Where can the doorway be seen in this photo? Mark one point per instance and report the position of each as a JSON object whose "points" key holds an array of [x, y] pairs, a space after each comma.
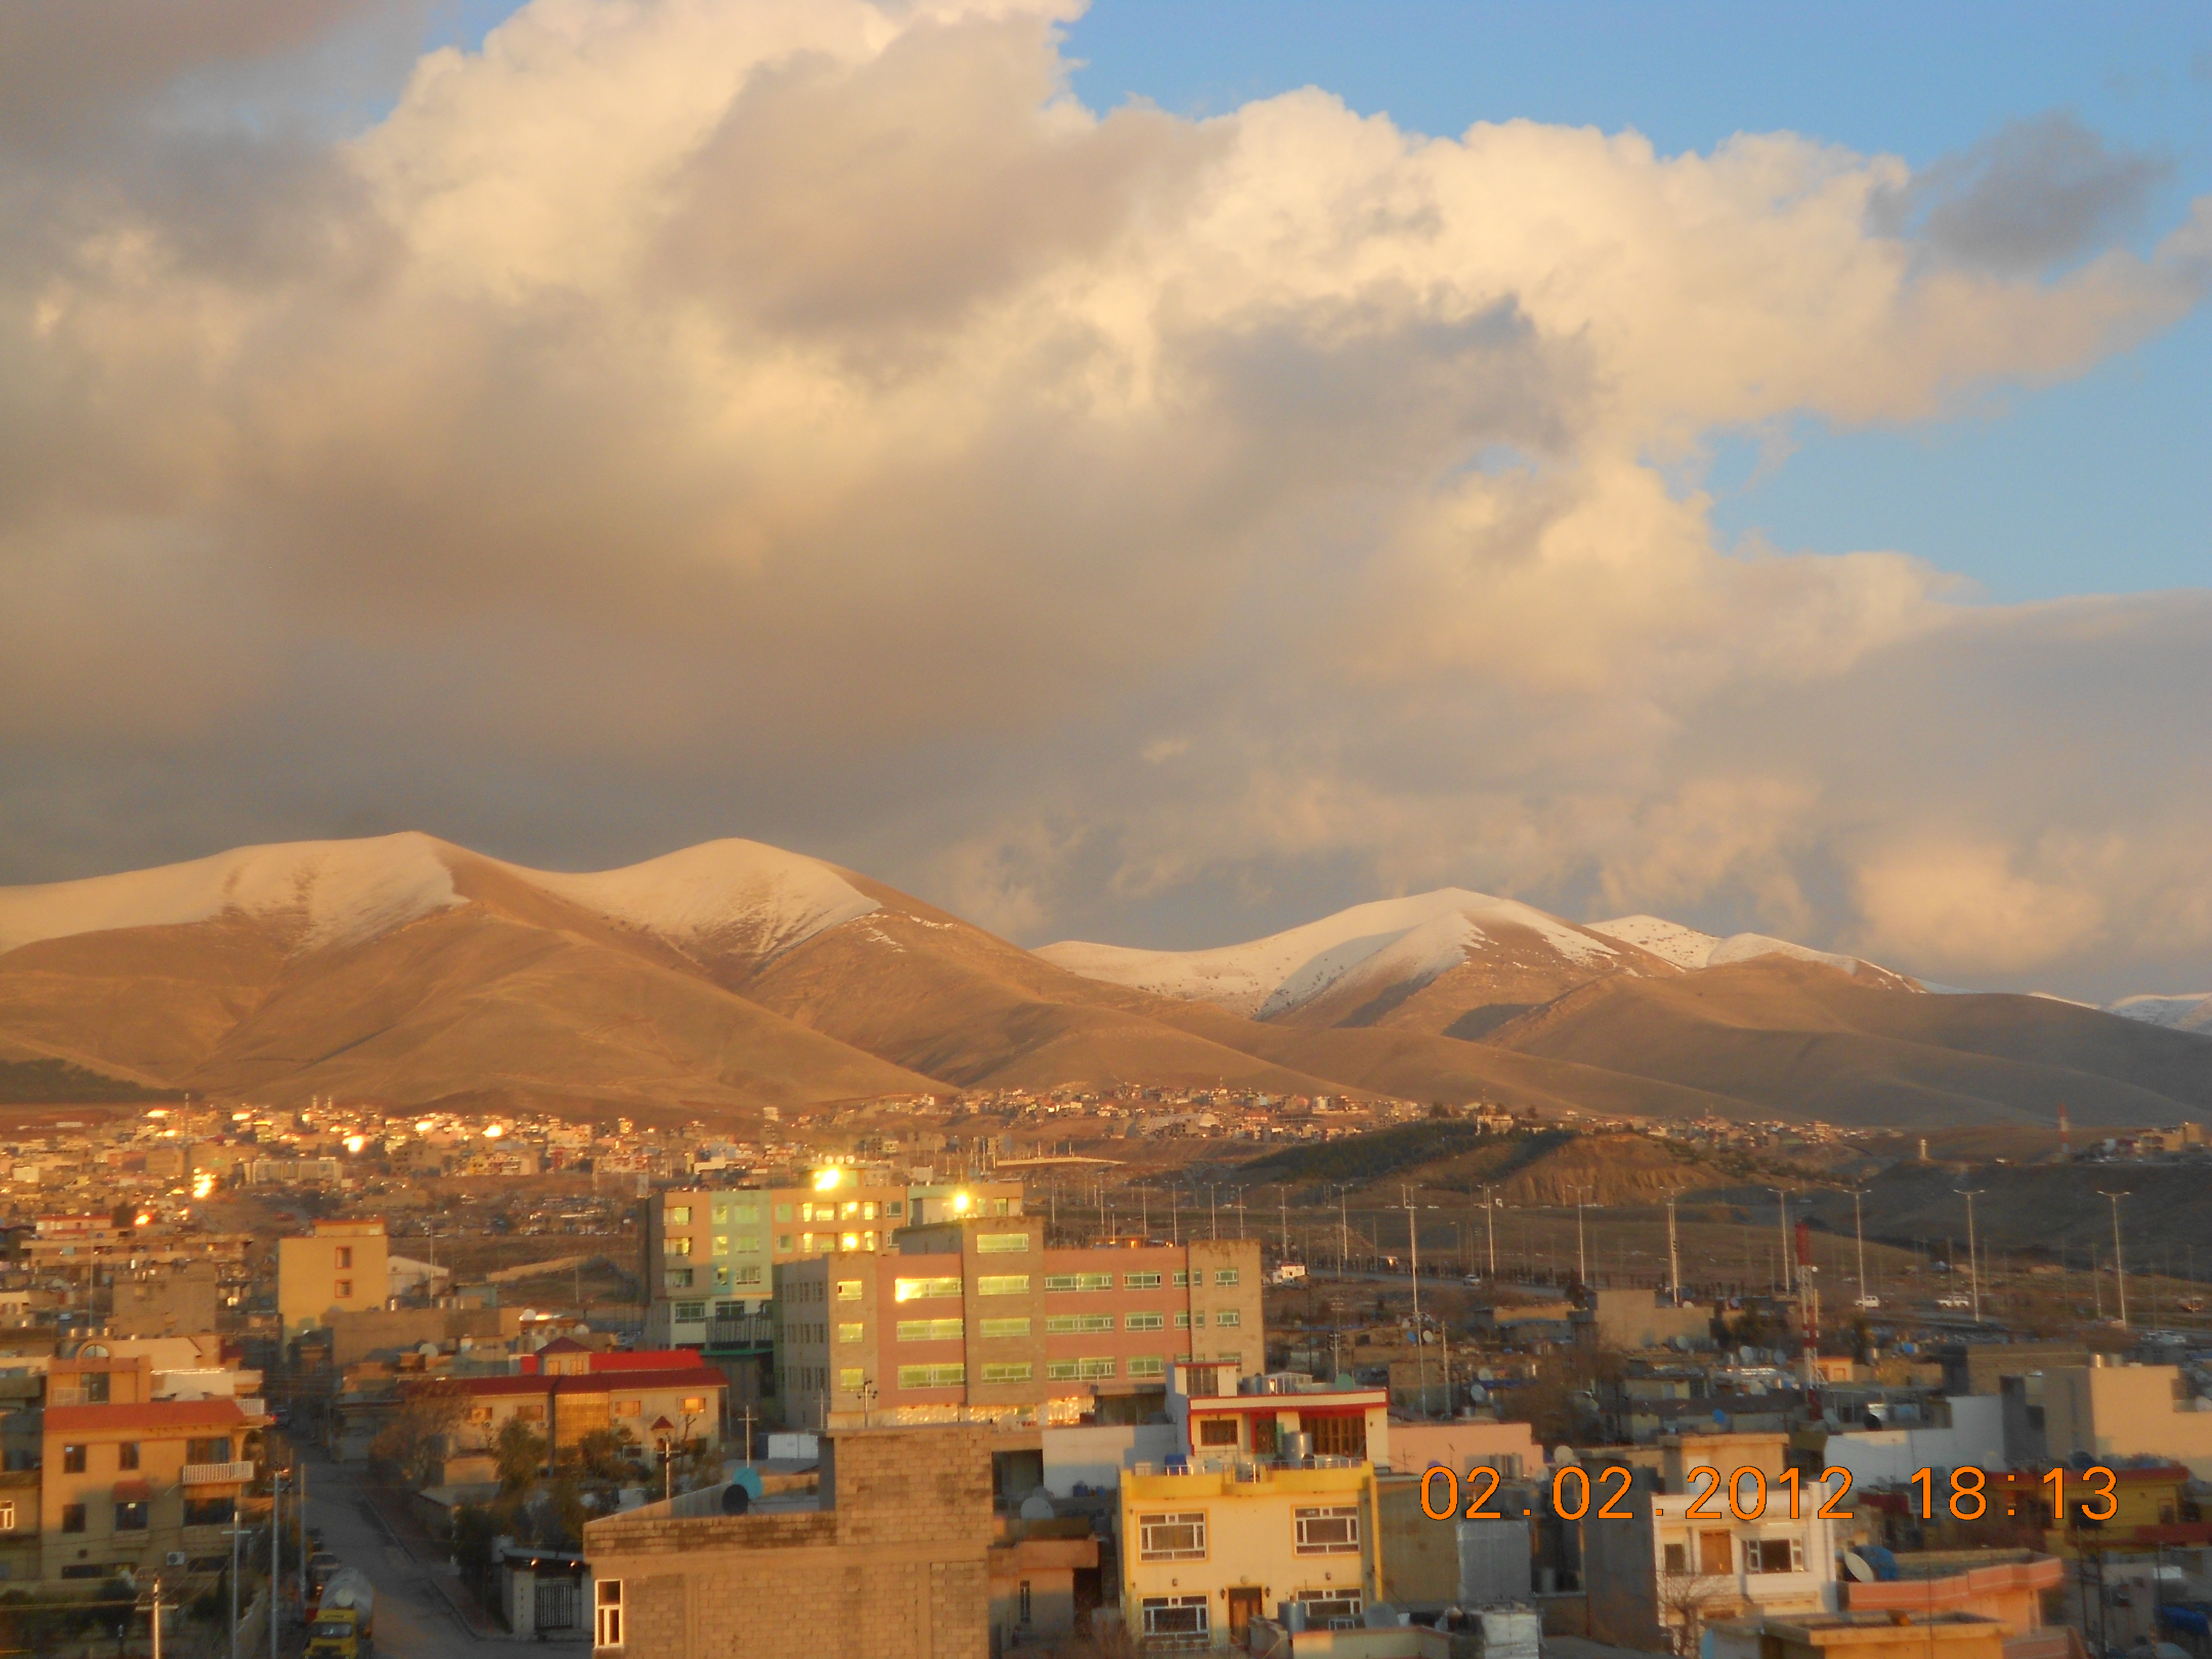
{"points": [[1243, 1609]]}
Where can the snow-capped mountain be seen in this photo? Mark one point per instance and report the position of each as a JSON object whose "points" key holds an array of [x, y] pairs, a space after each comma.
{"points": [[2192, 1011], [725, 895], [1687, 948]]}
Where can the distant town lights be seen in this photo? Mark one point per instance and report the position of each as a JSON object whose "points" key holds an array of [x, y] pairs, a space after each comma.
{"points": [[355, 1143], [960, 1201], [494, 1131], [203, 1184]]}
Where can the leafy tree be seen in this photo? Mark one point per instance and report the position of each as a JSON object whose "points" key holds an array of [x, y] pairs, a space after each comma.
{"points": [[518, 1453], [474, 1529]]}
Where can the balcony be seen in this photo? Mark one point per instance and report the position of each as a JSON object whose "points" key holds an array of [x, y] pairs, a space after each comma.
{"points": [[742, 1331], [216, 1474]]}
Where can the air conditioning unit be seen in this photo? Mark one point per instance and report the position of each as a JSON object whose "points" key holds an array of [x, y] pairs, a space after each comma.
{"points": [[174, 1559]]}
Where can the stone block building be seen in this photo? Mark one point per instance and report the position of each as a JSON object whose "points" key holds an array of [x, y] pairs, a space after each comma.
{"points": [[889, 1560]]}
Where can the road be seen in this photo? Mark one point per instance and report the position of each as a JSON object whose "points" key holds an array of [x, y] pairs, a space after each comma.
{"points": [[413, 1620]]}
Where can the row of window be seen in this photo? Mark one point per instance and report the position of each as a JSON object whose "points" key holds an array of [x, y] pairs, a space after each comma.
{"points": [[133, 1516], [1191, 1615], [217, 1450], [954, 1330], [942, 1285], [1095, 1369], [693, 1405], [681, 1278], [1716, 1555], [1315, 1529], [1144, 1281], [851, 1209]]}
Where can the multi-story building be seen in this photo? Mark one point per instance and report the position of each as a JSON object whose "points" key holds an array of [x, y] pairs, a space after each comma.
{"points": [[342, 1266], [711, 1253], [649, 1399], [147, 1484], [1206, 1551], [978, 1318]]}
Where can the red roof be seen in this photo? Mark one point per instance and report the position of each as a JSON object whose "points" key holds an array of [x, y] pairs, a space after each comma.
{"points": [[641, 1359], [154, 1414]]}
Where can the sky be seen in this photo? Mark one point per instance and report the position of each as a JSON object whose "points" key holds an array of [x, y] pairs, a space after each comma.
{"points": [[1155, 474]]}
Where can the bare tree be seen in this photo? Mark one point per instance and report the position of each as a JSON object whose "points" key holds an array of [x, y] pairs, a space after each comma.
{"points": [[415, 1438], [1687, 1602]]}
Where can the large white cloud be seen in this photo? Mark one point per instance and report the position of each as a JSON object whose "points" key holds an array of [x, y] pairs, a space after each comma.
{"points": [[809, 415]]}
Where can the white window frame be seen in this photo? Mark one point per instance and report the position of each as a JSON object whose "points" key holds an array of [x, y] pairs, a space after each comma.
{"points": [[1194, 1519], [1199, 1606], [607, 1612], [1754, 1546], [1331, 1516]]}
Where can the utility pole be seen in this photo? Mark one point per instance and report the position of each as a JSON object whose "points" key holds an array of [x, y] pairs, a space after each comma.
{"points": [[299, 1508], [1674, 1256], [1420, 1347], [1582, 1259], [1283, 1203], [1973, 1270], [1789, 1283], [2119, 1267], [157, 1617], [1490, 1216], [276, 1554], [234, 1534], [1858, 1231], [1213, 1216], [1343, 1237]]}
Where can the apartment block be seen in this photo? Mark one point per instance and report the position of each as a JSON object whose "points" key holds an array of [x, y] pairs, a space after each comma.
{"points": [[978, 1319], [711, 1253], [132, 1485], [342, 1267], [2112, 1413]]}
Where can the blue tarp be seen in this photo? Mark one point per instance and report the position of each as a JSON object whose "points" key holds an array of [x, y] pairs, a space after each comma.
{"points": [[2185, 1618]]}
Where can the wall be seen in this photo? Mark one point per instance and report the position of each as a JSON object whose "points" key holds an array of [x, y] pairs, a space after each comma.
{"points": [[893, 1565], [1095, 1457], [1976, 1438], [2125, 1411], [355, 1336], [308, 1274], [173, 1300], [1462, 1445]]}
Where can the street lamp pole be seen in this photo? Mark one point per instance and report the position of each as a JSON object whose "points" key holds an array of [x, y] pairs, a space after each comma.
{"points": [[1674, 1256], [1973, 1268], [2119, 1267], [1858, 1231]]}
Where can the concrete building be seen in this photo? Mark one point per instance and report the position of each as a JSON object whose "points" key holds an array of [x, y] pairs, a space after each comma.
{"points": [[1205, 1552], [1221, 1420], [1630, 1320], [1859, 1635], [890, 1559], [671, 1397], [977, 1318], [2115, 1411], [127, 1485], [175, 1298], [712, 1252], [1657, 1577], [342, 1267]]}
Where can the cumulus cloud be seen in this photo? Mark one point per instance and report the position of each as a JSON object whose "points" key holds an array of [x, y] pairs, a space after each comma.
{"points": [[809, 421]]}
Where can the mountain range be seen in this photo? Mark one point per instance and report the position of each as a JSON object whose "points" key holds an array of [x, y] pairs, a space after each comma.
{"points": [[733, 975]]}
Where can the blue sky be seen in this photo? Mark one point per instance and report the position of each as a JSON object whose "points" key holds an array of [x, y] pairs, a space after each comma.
{"points": [[2100, 485]]}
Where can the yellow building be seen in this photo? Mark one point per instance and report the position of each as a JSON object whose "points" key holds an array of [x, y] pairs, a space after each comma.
{"points": [[1203, 1554], [2115, 1411], [342, 1267], [132, 1485]]}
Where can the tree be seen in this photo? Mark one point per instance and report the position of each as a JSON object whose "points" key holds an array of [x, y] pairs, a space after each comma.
{"points": [[1687, 1599], [603, 1454], [518, 1453], [414, 1440]]}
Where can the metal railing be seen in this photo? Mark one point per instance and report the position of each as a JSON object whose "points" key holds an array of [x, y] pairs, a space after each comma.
{"points": [[216, 1474]]}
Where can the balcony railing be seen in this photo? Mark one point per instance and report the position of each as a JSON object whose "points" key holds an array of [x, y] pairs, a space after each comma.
{"points": [[746, 1331], [216, 1474]]}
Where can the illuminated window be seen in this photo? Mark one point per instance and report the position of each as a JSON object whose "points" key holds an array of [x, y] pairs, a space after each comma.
{"points": [[1140, 1282], [917, 1290], [868, 1209], [848, 1289], [721, 1243], [623, 1408], [1224, 1275], [1001, 1243], [677, 1246], [747, 1212], [1003, 1284], [679, 1215], [850, 1241], [1007, 1373], [868, 1240], [693, 1404], [1715, 1554], [806, 1242], [607, 1613], [995, 1328], [1094, 1370], [932, 1377], [1148, 1365], [849, 1379], [930, 1330], [1145, 1321], [1228, 1317], [1078, 1282], [851, 1209], [7, 1515], [1332, 1530], [851, 1333], [1172, 1538]]}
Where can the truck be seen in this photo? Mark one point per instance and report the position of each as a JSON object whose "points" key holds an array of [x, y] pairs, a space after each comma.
{"points": [[1288, 1273], [344, 1623]]}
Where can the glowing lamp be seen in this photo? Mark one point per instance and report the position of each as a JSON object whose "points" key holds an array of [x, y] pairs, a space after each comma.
{"points": [[827, 1180], [355, 1143], [960, 1202]]}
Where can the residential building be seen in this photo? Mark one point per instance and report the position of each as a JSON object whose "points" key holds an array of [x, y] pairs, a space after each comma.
{"points": [[130, 1485], [1206, 1551], [711, 1253], [1859, 1635], [1660, 1574], [342, 1267], [1036, 1567], [2115, 1411], [891, 1559], [967, 1319], [1632, 1319], [174, 1298], [2006, 1586], [675, 1397], [1222, 1420]]}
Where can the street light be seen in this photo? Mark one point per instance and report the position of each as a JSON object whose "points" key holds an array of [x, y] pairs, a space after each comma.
{"points": [[1973, 1271], [2119, 1268]]}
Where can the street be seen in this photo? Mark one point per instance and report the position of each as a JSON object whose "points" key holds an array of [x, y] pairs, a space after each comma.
{"points": [[413, 1619]]}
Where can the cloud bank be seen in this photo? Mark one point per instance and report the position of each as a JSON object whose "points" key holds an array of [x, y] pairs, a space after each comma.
{"points": [[807, 421]]}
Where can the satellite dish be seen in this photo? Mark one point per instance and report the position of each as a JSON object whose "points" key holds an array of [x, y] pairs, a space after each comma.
{"points": [[1037, 1506], [1855, 1564], [1561, 1455], [736, 1500]]}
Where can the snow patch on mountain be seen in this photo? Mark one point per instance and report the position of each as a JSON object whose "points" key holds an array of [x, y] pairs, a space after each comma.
{"points": [[1426, 934], [321, 893], [731, 894], [1686, 947], [2190, 1010]]}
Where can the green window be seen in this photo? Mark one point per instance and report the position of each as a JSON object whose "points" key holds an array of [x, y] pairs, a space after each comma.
{"points": [[1018, 1372], [1140, 1282], [1003, 1284], [1001, 1243], [992, 1328], [1145, 1321], [932, 1377], [921, 1289], [1148, 1365], [930, 1330]]}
